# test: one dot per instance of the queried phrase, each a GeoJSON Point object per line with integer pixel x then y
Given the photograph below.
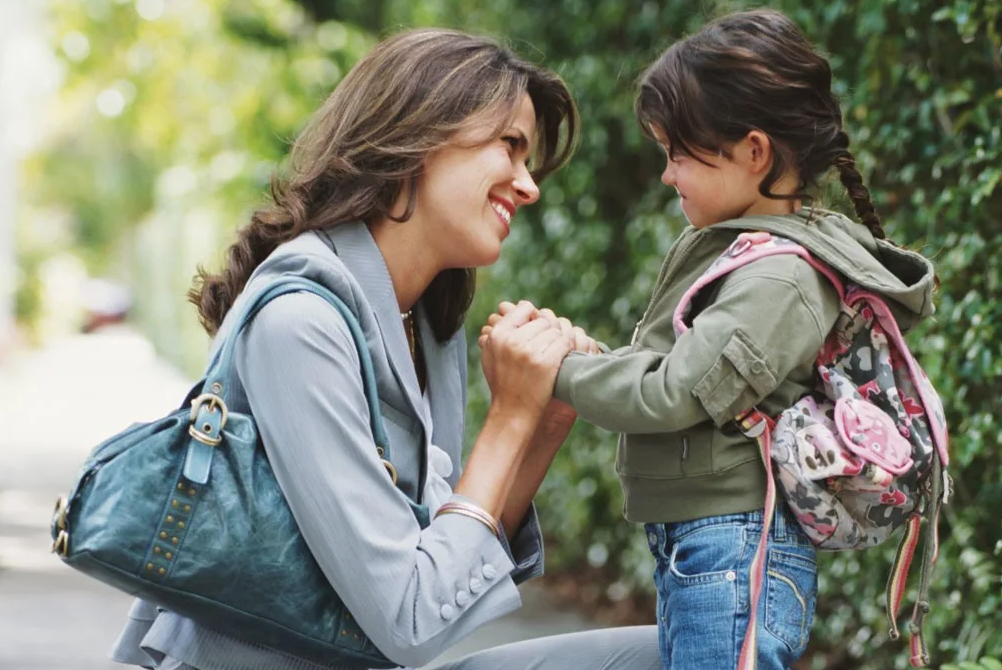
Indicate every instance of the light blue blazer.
{"type": "Point", "coordinates": [414, 592]}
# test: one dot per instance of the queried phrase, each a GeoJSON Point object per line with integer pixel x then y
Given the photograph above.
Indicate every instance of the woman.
{"type": "Point", "coordinates": [408, 175]}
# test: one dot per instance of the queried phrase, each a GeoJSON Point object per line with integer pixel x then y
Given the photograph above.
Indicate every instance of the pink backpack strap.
{"type": "Point", "coordinates": [926, 395]}
{"type": "Point", "coordinates": [748, 248]}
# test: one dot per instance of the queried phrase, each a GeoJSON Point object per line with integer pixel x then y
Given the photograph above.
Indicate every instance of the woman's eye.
{"type": "Point", "coordinates": [512, 141]}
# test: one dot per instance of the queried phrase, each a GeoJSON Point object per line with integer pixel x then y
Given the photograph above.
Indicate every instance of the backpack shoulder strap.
{"type": "Point", "coordinates": [748, 248]}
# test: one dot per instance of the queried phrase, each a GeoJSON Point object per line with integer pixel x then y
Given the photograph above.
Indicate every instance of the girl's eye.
{"type": "Point", "coordinates": [512, 141]}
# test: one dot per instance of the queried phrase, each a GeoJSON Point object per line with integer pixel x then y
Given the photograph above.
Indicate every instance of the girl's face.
{"type": "Point", "coordinates": [470, 190]}
{"type": "Point", "coordinates": [712, 188]}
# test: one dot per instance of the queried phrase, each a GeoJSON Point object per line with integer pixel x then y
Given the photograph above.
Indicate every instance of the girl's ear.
{"type": "Point", "coordinates": [758, 151]}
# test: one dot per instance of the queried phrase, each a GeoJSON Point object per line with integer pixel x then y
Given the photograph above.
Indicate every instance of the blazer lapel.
{"type": "Point", "coordinates": [358, 251]}
{"type": "Point", "coordinates": [445, 364]}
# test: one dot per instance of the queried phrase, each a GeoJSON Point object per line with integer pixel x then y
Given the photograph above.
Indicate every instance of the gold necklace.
{"type": "Point", "coordinates": [412, 344]}
{"type": "Point", "coordinates": [409, 332]}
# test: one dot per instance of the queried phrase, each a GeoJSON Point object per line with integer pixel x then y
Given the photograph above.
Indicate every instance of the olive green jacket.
{"type": "Point", "coordinates": [753, 341]}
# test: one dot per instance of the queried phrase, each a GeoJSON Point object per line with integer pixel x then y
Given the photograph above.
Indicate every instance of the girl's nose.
{"type": "Point", "coordinates": [668, 176]}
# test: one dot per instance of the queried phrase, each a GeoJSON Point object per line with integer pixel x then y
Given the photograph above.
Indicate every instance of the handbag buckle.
{"type": "Point", "coordinates": [203, 435]}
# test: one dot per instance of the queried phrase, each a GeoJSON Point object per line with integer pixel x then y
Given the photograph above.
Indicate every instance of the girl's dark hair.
{"type": "Point", "coordinates": [368, 142]}
{"type": "Point", "coordinates": [747, 71]}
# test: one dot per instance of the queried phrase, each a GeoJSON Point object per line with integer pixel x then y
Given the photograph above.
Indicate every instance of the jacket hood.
{"type": "Point", "coordinates": [905, 277]}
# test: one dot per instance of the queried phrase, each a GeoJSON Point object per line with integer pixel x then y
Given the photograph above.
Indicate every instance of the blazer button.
{"type": "Point", "coordinates": [447, 612]}
{"type": "Point", "coordinates": [757, 367]}
{"type": "Point", "coordinates": [462, 597]}
{"type": "Point", "coordinates": [476, 586]}
{"type": "Point", "coordinates": [489, 571]}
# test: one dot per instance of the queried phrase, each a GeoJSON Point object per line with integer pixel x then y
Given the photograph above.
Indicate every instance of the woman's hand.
{"type": "Point", "coordinates": [521, 356]}
{"type": "Point", "coordinates": [581, 340]}
{"type": "Point", "coordinates": [558, 417]}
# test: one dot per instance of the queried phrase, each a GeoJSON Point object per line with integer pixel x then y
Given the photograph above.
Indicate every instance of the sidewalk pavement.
{"type": "Point", "coordinates": [56, 403]}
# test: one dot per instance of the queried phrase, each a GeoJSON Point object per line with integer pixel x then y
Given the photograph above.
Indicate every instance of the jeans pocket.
{"type": "Point", "coordinates": [791, 594]}
{"type": "Point", "coordinates": [709, 555]}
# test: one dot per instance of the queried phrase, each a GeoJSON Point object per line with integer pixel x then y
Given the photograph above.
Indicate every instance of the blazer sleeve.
{"type": "Point", "coordinates": [414, 592]}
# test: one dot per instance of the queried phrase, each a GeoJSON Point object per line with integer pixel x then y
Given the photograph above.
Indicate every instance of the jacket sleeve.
{"type": "Point", "coordinates": [767, 319]}
{"type": "Point", "coordinates": [414, 592]}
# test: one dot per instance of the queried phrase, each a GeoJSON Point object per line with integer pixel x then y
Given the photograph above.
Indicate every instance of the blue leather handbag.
{"type": "Point", "coordinates": [186, 512]}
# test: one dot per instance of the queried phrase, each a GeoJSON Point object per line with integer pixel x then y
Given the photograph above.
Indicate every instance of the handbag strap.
{"type": "Point", "coordinates": [209, 411]}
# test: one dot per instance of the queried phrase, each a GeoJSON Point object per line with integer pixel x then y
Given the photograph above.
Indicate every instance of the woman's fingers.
{"type": "Point", "coordinates": [519, 315]}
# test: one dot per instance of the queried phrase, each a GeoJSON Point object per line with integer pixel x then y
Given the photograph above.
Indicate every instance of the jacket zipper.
{"type": "Point", "coordinates": [669, 267]}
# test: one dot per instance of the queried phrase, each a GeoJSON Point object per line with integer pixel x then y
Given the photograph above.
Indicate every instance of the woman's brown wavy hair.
{"type": "Point", "coordinates": [747, 71]}
{"type": "Point", "coordinates": [369, 141]}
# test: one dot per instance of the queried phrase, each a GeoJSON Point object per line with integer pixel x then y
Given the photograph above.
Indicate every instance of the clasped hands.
{"type": "Point", "coordinates": [522, 349]}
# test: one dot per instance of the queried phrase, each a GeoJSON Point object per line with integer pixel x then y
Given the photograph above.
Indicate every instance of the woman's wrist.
{"type": "Point", "coordinates": [517, 422]}
{"type": "Point", "coordinates": [468, 508]}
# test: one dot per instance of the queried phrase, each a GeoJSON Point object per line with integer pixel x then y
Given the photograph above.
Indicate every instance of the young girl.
{"type": "Point", "coordinates": [745, 113]}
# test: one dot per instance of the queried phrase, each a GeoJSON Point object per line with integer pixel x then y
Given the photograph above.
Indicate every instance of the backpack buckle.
{"type": "Point", "coordinates": [752, 423]}
{"type": "Point", "coordinates": [746, 241]}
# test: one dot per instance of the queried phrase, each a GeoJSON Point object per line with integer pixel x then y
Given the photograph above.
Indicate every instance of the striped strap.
{"type": "Point", "coordinates": [757, 425]}
{"type": "Point", "coordinates": [898, 578]}
{"type": "Point", "coordinates": [920, 657]}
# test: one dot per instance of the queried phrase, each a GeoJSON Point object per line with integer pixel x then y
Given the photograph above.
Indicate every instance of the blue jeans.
{"type": "Point", "coordinates": [702, 575]}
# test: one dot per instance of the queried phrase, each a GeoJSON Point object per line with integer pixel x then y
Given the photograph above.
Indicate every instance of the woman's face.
{"type": "Point", "coordinates": [470, 190]}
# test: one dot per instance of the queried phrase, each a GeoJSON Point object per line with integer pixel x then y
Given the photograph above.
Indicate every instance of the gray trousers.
{"type": "Point", "coordinates": [627, 648]}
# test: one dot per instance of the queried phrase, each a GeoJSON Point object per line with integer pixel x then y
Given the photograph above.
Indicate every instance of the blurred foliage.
{"type": "Point", "coordinates": [983, 664]}
{"type": "Point", "coordinates": [208, 94]}
{"type": "Point", "coordinates": [172, 119]}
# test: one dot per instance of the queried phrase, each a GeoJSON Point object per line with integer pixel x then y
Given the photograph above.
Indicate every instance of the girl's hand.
{"type": "Point", "coordinates": [521, 356]}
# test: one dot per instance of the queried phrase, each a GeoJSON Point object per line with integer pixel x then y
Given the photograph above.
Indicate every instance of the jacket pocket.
{"type": "Point", "coordinates": [740, 377]}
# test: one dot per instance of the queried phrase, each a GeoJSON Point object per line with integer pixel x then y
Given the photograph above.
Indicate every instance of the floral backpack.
{"type": "Point", "coordinates": [863, 455]}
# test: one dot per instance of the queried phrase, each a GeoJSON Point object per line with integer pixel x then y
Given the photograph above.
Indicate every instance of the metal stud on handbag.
{"type": "Point", "coordinates": [186, 512]}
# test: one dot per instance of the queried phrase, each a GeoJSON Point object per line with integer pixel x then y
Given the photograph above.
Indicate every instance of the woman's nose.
{"type": "Point", "coordinates": [526, 190]}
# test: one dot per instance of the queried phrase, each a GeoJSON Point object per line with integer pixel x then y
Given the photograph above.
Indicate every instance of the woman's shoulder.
{"type": "Point", "coordinates": [309, 257]}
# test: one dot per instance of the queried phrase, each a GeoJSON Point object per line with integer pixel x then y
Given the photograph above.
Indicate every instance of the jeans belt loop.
{"type": "Point", "coordinates": [779, 523]}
